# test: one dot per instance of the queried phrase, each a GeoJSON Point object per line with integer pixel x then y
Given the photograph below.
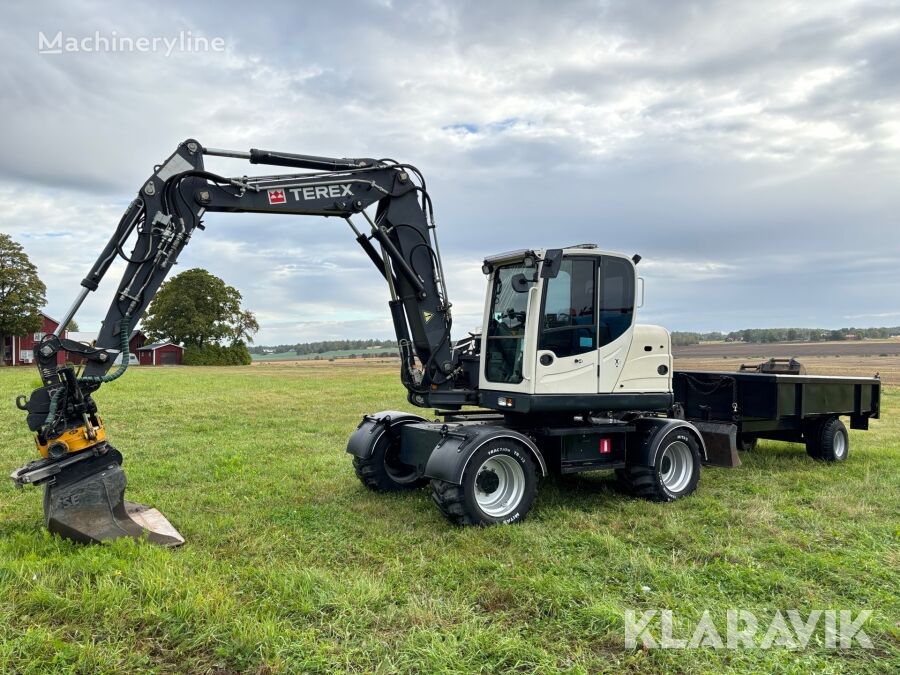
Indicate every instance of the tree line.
{"type": "Point", "coordinates": [763, 335]}
{"type": "Point", "coordinates": [322, 346]}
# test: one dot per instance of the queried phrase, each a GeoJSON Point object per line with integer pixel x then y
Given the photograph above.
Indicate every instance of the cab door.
{"type": "Point", "coordinates": [615, 327]}
{"type": "Point", "coordinates": [566, 355]}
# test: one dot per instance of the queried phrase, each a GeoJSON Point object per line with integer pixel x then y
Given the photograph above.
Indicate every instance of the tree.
{"type": "Point", "coordinates": [22, 293]}
{"type": "Point", "coordinates": [198, 309]}
{"type": "Point", "coordinates": [245, 326]}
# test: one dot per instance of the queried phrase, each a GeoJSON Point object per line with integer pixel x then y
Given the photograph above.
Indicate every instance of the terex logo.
{"type": "Point", "coordinates": [322, 192]}
{"type": "Point", "coordinates": [276, 197]}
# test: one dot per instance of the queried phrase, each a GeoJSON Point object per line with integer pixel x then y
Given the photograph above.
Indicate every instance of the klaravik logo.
{"type": "Point", "coordinates": [656, 629]}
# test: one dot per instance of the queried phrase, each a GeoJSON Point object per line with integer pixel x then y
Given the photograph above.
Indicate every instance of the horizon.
{"type": "Point", "coordinates": [258, 345]}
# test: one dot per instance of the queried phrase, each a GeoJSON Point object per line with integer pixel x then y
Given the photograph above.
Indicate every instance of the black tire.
{"type": "Point", "coordinates": [828, 441]}
{"type": "Point", "coordinates": [658, 483]}
{"type": "Point", "coordinates": [466, 504]}
{"type": "Point", "coordinates": [382, 471]}
{"type": "Point", "coordinates": [747, 443]}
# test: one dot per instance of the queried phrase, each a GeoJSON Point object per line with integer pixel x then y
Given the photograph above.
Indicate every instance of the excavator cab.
{"type": "Point", "coordinates": [561, 323]}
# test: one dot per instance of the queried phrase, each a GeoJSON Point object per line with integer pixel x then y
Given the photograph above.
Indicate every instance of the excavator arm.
{"type": "Point", "coordinates": [79, 469]}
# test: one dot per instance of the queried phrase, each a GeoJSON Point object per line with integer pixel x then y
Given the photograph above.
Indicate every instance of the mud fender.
{"type": "Point", "coordinates": [644, 443]}
{"type": "Point", "coordinates": [372, 427]}
{"type": "Point", "coordinates": [451, 455]}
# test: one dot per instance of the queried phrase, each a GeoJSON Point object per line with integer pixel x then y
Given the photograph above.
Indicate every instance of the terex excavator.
{"type": "Point", "coordinates": [559, 379]}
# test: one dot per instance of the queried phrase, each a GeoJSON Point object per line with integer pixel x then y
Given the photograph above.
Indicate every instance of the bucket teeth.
{"type": "Point", "coordinates": [86, 503]}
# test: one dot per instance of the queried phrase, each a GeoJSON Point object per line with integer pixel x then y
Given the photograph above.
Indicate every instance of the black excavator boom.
{"type": "Point", "coordinates": [81, 473]}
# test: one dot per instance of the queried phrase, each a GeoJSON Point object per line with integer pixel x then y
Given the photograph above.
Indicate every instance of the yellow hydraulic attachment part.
{"type": "Point", "coordinates": [74, 439]}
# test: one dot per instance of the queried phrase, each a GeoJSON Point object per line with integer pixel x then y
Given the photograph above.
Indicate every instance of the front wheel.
{"type": "Point", "coordinates": [499, 485]}
{"type": "Point", "coordinates": [674, 474]}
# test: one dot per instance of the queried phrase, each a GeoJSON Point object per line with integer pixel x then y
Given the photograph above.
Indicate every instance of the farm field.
{"type": "Point", "coordinates": [800, 350]}
{"type": "Point", "coordinates": [292, 566]}
{"type": "Point", "coordinates": [334, 354]}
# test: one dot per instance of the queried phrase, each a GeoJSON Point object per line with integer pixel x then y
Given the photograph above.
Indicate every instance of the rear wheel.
{"type": "Point", "coordinates": [674, 474]}
{"type": "Point", "coordinates": [498, 486]}
{"type": "Point", "coordinates": [828, 441]}
{"type": "Point", "coordinates": [383, 471]}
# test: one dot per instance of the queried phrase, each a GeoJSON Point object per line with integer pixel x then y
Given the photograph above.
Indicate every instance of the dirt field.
{"type": "Point", "coordinates": [864, 358]}
{"type": "Point", "coordinates": [887, 367]}
{"type": "Point", "coordinates": [798, 350]}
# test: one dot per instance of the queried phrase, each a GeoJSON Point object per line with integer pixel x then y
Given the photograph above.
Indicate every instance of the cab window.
{"type": "Point", "coordinates": [616, 298]}
{"type": "Point", "coordinates": [569, 323]}
{"type": "Point", "coordinates": [505, 335]}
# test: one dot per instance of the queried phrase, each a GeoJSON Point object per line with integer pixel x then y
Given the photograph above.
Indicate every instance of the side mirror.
{"type": "Point", "coordinates": [640, 288]}
{"type": "Point", "coordinates": [520, 283]}
{"type": "Point", "coordinates": [552, 262]}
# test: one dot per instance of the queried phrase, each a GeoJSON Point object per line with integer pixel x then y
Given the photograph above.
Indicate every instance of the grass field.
{"type": "Point", "coordinates": [291, 566]}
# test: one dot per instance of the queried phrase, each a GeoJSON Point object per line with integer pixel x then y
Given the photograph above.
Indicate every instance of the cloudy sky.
{"type": "Point", "coordinates": [747, 150]}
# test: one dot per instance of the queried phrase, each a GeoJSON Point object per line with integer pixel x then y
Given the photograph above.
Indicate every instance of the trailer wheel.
{"type": "Point", "coordinates": [829, 441]}
{"type": "Point", "coordinates": [498, 486]}
{"type": "Point", "coordinates": [383, 471]}
{"type": "Point", "coordinates": [675, 472]}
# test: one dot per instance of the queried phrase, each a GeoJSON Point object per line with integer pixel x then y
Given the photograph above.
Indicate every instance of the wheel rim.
{"type": "Point", "coordinates": [398, 471]}
{"type": "Point", "coordinates": [840, 444]}
{"type": "Point", "coordinates": [499, 486]}
{"type": "Point", "coordinates": [676, 466]}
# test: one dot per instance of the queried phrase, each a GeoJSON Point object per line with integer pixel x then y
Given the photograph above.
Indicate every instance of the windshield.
{"type": "Point", "coordinates": [506, 326]}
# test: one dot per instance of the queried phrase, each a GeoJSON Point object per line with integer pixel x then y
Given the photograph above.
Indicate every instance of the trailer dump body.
{"type": "Point", "coordinates": [780, 407]}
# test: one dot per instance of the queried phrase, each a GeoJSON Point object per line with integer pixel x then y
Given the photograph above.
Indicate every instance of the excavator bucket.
{"type": "Point", "coordinates": [84, 500]}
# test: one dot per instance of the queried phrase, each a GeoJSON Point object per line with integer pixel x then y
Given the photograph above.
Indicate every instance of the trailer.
{"type": "Point", "coordinates": [734, 410]}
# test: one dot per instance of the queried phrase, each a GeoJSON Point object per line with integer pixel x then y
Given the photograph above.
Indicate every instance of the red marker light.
{"type": "Point", "coordinates": [605, 446]}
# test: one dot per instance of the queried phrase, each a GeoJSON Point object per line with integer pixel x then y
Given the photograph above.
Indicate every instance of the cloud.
{"type": "Point", "coordinates": [747, 150]}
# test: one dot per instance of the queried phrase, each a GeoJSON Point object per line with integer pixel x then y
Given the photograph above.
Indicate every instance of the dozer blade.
{"type": "Point", "coordinates": [86, 503]}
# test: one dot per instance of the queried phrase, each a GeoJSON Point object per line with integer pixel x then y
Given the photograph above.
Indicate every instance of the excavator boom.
{"type": "Point", "coordinates": [82, 474]}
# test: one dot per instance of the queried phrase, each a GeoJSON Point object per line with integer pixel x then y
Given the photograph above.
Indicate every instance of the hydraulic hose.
{"type": "Point", "coordinates": [51, 410]}
{"type": "Point", "coordinates": [100, 379]}
{"type": "Point", "coordinates": [96, 379]}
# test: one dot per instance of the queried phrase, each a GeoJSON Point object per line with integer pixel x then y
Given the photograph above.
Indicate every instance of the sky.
{"type": "Point", "coordinates": [748, 151]}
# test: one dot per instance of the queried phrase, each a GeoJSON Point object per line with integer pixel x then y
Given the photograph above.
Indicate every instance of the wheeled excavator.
{"type": "Point", "coordinates": [559, 379]}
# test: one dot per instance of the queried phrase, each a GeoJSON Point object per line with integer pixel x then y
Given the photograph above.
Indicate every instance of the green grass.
{"type": "Point", "coordinates": [292, 566]}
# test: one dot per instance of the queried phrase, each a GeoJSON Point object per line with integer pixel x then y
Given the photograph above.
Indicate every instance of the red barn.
{"type": "Point", "coordinates": [18, 350]}
{"type": "Point", "coordinates": [136, 341]}
{"type": "Point", "coordinates": [160, 354]}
